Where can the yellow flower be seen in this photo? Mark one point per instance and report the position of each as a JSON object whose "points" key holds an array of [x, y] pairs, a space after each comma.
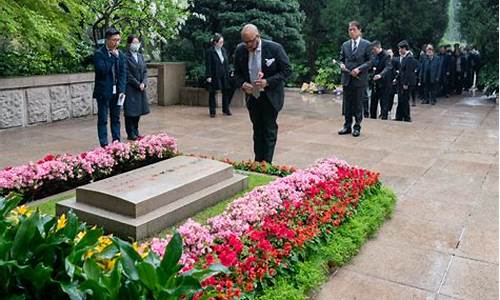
{"points": [[22, 210], [80, 236], [107, 264], [61, 222], [103, 242], [141, 249], [88, 254]]}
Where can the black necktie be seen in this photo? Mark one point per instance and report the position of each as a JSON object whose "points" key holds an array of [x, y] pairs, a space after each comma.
{"points": [[355, 47]]}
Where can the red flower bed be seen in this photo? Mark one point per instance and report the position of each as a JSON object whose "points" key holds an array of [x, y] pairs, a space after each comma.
{"points": [[274, 244]]}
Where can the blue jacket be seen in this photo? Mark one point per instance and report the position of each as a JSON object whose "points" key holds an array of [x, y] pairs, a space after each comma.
{"points": [[104, 64], [432, 67]]}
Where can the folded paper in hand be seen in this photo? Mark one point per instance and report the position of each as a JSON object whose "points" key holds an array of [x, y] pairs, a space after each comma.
{"points": [[121, 99]]}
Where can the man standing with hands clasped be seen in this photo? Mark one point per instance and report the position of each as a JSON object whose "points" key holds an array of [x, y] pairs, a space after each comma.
{"points": [[110, 84], [355, 58], [261, 68]]}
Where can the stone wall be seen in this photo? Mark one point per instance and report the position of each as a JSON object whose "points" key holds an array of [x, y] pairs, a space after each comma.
{"points": [[26, 101]]}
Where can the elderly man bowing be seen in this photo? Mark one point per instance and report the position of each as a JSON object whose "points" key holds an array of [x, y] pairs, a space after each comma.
{"points": [[261, 68]]}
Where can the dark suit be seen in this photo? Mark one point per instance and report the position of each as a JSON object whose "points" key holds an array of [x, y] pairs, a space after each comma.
{"points": [[382, 65], [445, 60], [136, 104], [406, 78], [109, 71], [219, 72], [430, 73], [353, 87], [264, 109], [394, 84]]}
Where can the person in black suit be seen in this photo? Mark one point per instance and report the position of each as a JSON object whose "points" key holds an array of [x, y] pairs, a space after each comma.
{"points": [[110, 83], [381, 82], [445, 72], [407, 80], [429, 75], [394, 83], [136, 104], [261, 68], [355, 57], [217, 73], [459, 65]]}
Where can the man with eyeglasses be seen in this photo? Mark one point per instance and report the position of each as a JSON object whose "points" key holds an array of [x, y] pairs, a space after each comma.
{"points": [[261, 68], [110, 84]]}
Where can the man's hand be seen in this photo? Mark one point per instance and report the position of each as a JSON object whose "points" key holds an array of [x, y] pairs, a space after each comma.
{"points": [[405, 87], [377, 77], [343, 67], [114, 52], [355, 72], [209, 79], [142, 86], [261, 83], [247, 87]]}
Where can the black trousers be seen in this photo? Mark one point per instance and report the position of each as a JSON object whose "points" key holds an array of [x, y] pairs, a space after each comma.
{"points": [[226, 101], [265, 129], [403, 109], [390, 98], [380, 93], [132, 127], [430, 91], [364, 102], [352, 106], [444, 85]]}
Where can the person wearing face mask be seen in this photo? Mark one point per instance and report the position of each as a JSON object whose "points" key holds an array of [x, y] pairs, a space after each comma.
{"points": [[217, 74], [136, 103]]}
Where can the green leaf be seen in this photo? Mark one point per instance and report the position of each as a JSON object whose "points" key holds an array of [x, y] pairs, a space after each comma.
{"points": [[128, 258], [71, 289], [89, 239], [38, 276], [91, 269], [23, 237], [7, 204], [172, 255], [147, 275]]}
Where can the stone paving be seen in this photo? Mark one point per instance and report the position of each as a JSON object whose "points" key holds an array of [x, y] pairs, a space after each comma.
{"points": [[442, 242]]}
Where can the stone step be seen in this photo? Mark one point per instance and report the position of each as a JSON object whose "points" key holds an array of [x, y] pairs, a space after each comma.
{"points": [[143, 190], [160, 218]]}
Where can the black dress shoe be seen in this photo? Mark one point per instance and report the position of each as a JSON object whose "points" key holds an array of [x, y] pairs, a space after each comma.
{"points": [[356, 132], [212, 115], [228, 113], [345, 131], [131, 138], [383, 117], [413, 104], [433, 102], [425, 102]]}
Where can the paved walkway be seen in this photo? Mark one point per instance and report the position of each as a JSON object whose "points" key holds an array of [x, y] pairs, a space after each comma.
{"points": [[442, 242]]}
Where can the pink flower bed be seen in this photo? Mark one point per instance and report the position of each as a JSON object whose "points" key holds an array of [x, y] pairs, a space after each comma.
{"points": [[55, 173], [250, 209]]}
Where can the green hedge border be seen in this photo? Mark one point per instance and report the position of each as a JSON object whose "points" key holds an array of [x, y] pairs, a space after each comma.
{"points": [[305, 278]]}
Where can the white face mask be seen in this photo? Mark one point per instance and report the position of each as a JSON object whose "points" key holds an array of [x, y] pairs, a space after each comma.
{"points": [[135, 47]]}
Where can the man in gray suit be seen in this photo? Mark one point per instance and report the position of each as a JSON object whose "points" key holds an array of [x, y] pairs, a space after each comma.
{"points": [[355, 57]]}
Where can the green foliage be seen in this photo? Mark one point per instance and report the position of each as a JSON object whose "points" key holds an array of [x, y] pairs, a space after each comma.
{"points": [[375, 207], [278, 20], [327, 75], [479, 26], [47, 37], [43, 257], [389, 21]]}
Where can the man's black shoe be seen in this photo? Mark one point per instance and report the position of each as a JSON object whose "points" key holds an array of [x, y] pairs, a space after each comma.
{"points": [[344, 131], [355, 132], [212, 115], [425, 102], [383, 117], [228, 113]]}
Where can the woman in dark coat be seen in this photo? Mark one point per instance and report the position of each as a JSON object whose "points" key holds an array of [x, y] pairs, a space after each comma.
{"points": [[217, 74], [136, 101]]}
